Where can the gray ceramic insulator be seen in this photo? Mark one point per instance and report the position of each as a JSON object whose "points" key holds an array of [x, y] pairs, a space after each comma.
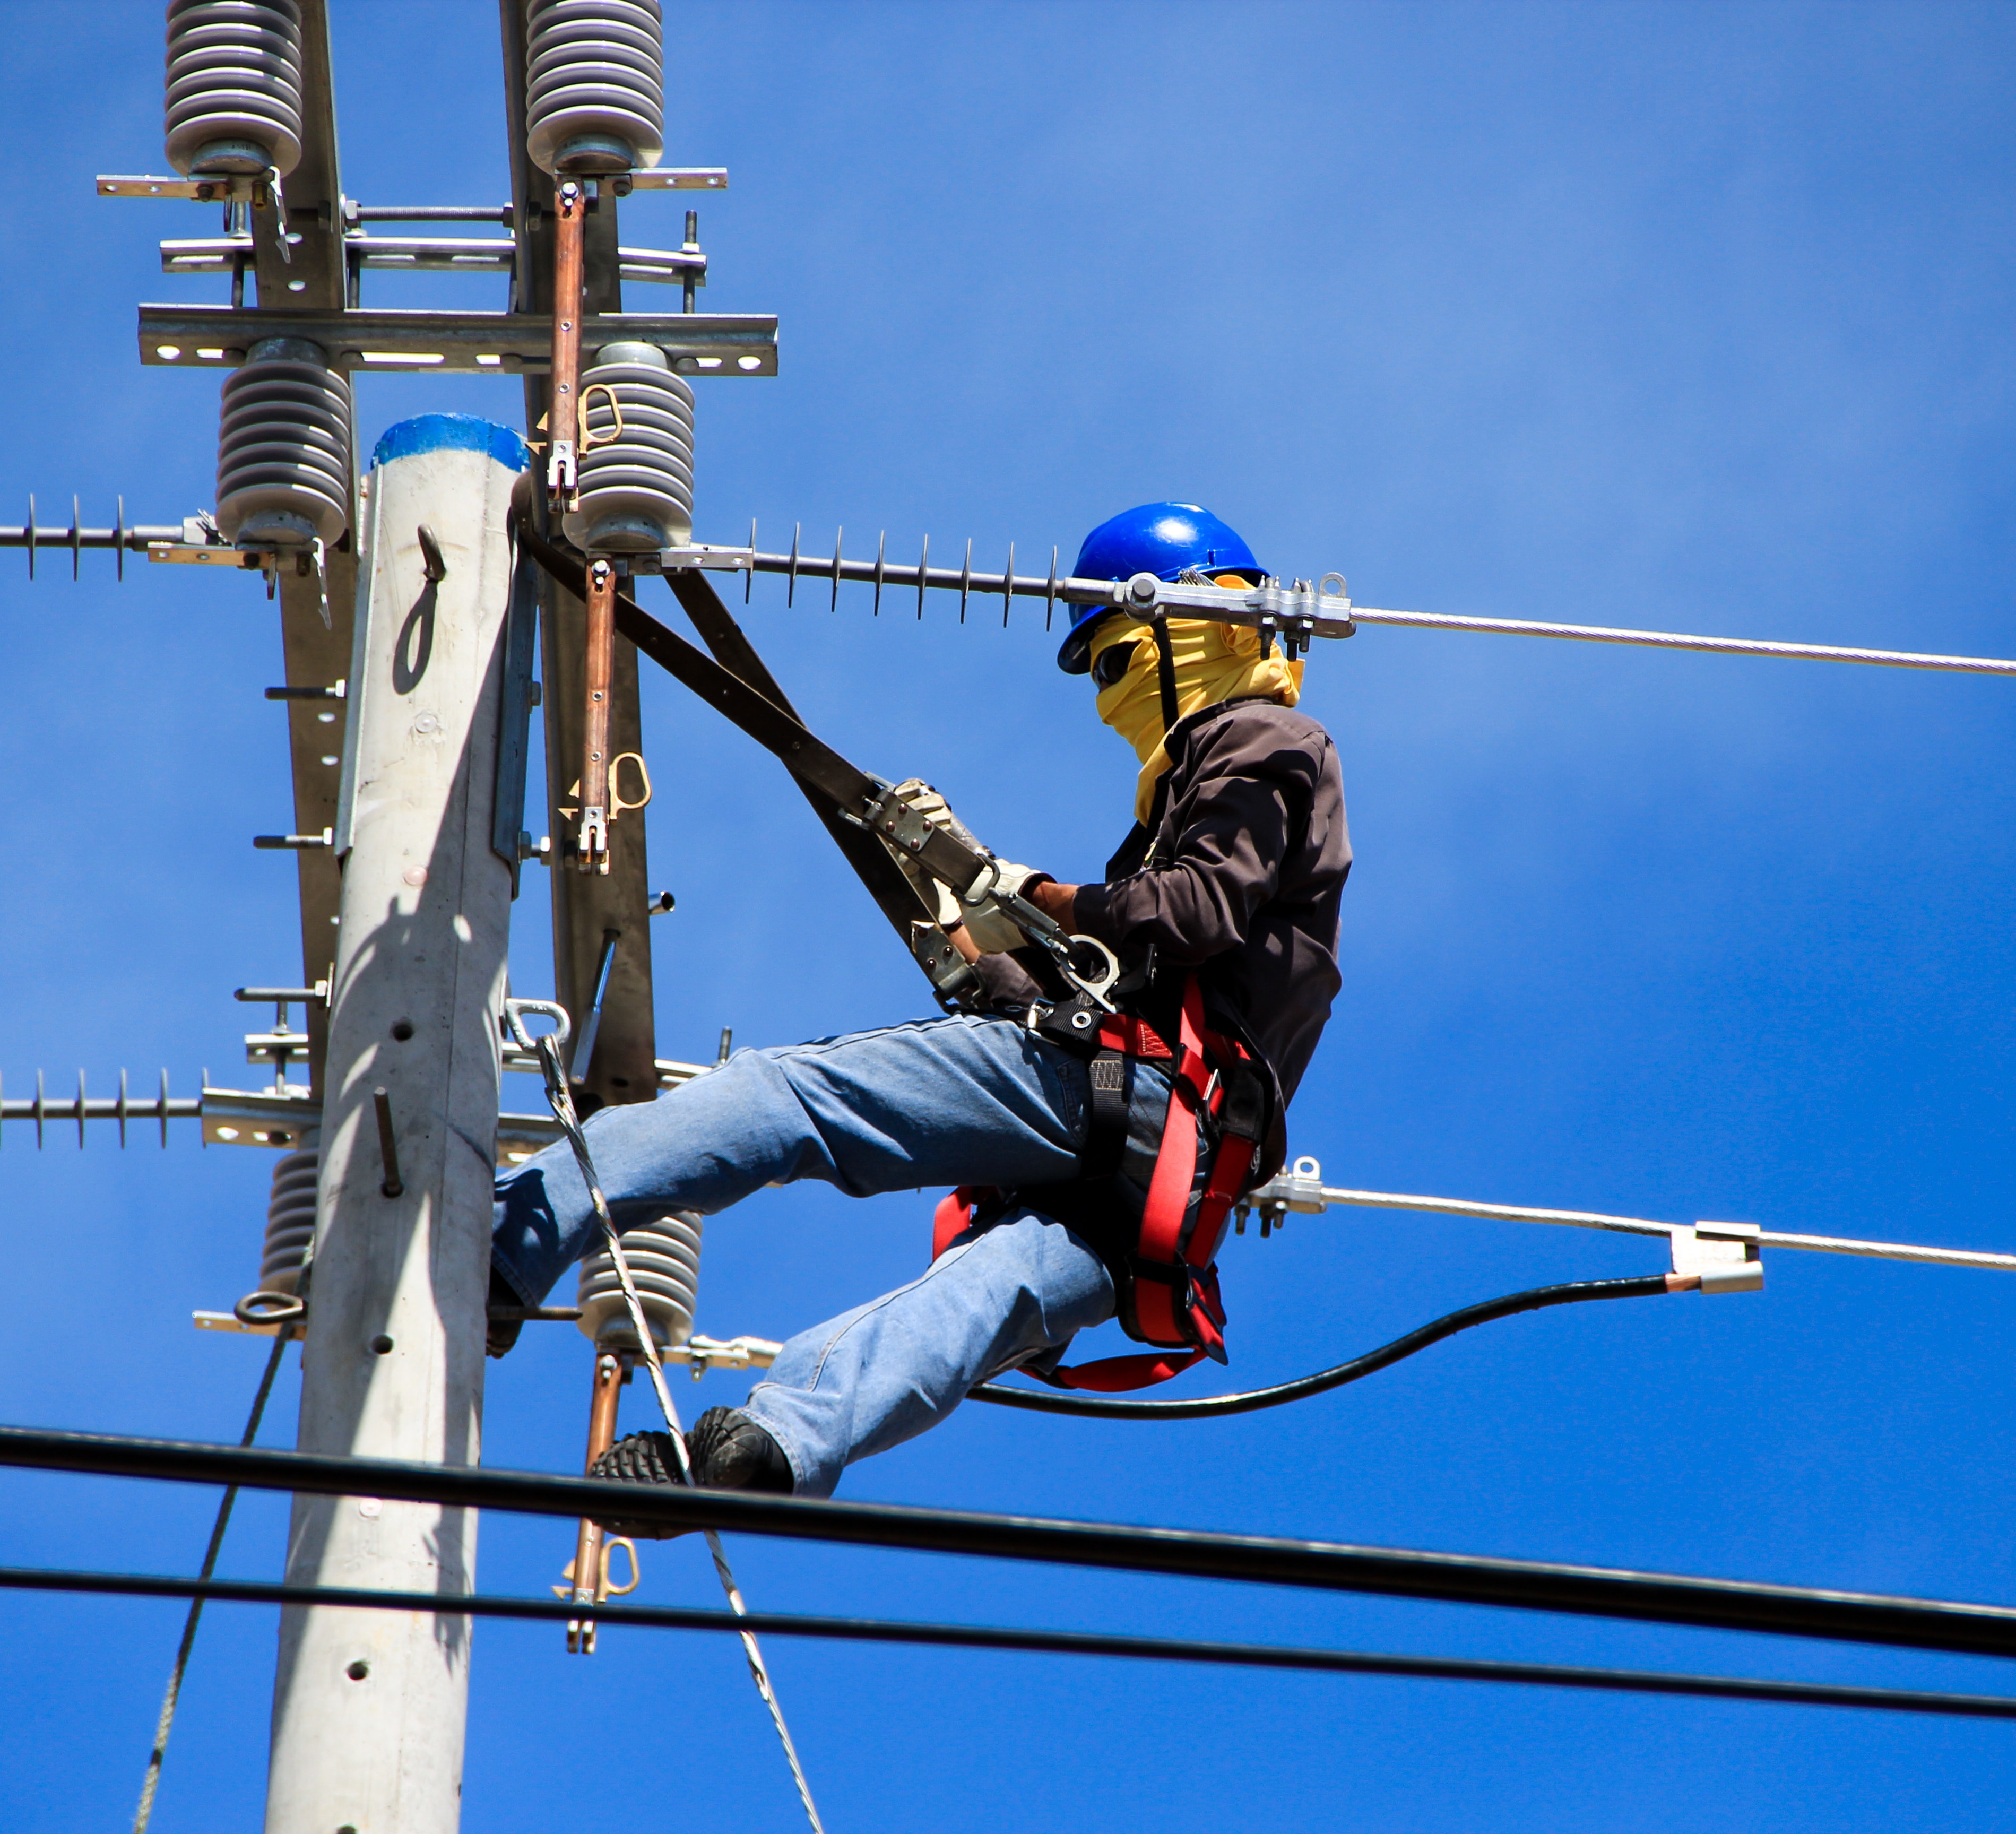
{"points": [[594, 86], [234, 102], [636, 492]]}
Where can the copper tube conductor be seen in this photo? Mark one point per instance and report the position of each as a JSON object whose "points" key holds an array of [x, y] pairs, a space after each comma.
{"points": [[564, 410], [591, 849], [588, 1543]]}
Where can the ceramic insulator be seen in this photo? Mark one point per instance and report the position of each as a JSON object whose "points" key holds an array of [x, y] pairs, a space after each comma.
{"points": [[290, 1220], [234, 86], [594, 86], [664, 1262], [636, 492], [283, 447]]}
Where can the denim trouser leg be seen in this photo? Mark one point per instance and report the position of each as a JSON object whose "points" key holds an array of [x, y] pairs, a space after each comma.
{"points": [[886, 1371], [955, 1101]]}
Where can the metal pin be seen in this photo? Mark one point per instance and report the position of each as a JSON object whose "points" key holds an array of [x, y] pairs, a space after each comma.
{"points": [[1050, 597], [965, 579], [119, 537], [791, 586], [164, 1107], [76, 537], [727, 1044], [80, 1110], [31, 553], [388, 1146], [837, 532], [749, 578], [880, 545], [122, 1107], [1008, 586], [41, 1103], [923, 569]]}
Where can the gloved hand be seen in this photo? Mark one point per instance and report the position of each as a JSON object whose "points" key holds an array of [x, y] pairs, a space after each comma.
{"points": [[994, 932], [991, 931]]}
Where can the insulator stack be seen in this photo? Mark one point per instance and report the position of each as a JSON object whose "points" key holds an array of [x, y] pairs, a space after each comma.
{"points": [[664, 1262], [234, 86], [636, 463], [594, 86], [290, 1220], [283, 447]]}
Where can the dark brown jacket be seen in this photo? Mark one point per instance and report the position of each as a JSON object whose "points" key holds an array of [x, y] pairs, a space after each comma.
{"points": [[1238, 873]]}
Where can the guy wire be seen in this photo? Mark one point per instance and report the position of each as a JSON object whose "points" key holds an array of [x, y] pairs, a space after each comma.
{"points": [[562, 1100], [153, 1779]]}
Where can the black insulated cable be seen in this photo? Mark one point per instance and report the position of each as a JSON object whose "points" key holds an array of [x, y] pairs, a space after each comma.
{"points": [[1571, 1292], [950, 1636]]}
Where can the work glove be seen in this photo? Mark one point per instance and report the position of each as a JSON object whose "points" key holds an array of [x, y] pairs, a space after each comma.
{"points": [[993, 932]]}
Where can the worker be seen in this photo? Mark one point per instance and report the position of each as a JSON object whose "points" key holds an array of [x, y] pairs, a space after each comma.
{"points": [[1223, 902]]}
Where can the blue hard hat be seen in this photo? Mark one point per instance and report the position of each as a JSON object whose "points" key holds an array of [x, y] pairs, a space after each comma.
{"points": [[1161, 538]]}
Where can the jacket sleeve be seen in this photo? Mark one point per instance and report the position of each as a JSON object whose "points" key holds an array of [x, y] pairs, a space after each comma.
{"points": [[1233, 827]]}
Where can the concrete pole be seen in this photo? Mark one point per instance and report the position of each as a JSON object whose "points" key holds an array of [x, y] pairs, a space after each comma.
{"points": [[368, 1706]]}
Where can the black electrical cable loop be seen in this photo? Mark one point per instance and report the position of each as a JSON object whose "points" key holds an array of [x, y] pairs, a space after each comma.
{"points": [[1533, 1299]]}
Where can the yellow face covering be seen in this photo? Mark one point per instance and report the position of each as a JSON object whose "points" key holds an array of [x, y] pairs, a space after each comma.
{"points": [[1214, 662]]}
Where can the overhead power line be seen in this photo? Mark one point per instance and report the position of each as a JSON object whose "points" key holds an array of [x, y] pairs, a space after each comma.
{"points": [[860, 1630], [1528, 1585]]}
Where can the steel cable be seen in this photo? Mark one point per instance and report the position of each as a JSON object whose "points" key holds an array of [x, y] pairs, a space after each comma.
{"points": [[562, 1100], [1571, 1292], [166, 1724]]}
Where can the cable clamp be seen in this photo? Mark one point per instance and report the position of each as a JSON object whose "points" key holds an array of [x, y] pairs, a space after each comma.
{"points": [[1722, 1256], [1300, 1188]]}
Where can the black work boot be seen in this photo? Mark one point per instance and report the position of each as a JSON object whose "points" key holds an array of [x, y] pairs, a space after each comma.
{"points": [[502, 1334], [729, 1451]]}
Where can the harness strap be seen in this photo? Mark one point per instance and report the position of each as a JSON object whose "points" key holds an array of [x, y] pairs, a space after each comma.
{"points": [[1168, 1287], [1106, 1139]]}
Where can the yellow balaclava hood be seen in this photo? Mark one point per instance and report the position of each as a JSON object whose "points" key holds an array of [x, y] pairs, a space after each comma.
{"points": [[1214, 662]]}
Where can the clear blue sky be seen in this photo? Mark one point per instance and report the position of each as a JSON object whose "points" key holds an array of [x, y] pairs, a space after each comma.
{"points": [[1691, 317]]}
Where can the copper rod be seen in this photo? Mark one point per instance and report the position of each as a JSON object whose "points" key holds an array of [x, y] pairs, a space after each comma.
{"points": [[592, 848], [588, 1543], [562, 410]]}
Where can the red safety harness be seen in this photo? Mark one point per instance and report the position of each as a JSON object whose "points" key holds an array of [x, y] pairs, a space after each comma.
{"points": [[1167, 1285]]}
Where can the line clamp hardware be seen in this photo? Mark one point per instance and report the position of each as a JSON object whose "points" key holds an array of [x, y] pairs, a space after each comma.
{"points": [[1298, 1188], [700, 555], [1722, 1257], [1296, 613]]}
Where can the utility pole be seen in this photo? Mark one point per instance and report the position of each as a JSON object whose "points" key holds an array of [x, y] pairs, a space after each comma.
{"points": [[368, 1706]]}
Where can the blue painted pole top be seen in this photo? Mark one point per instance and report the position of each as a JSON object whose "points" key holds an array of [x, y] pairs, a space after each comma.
{"points": [[454, 433]]}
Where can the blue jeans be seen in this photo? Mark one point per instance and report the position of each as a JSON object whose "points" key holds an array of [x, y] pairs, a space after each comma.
{"points": [[936, 1102]]}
